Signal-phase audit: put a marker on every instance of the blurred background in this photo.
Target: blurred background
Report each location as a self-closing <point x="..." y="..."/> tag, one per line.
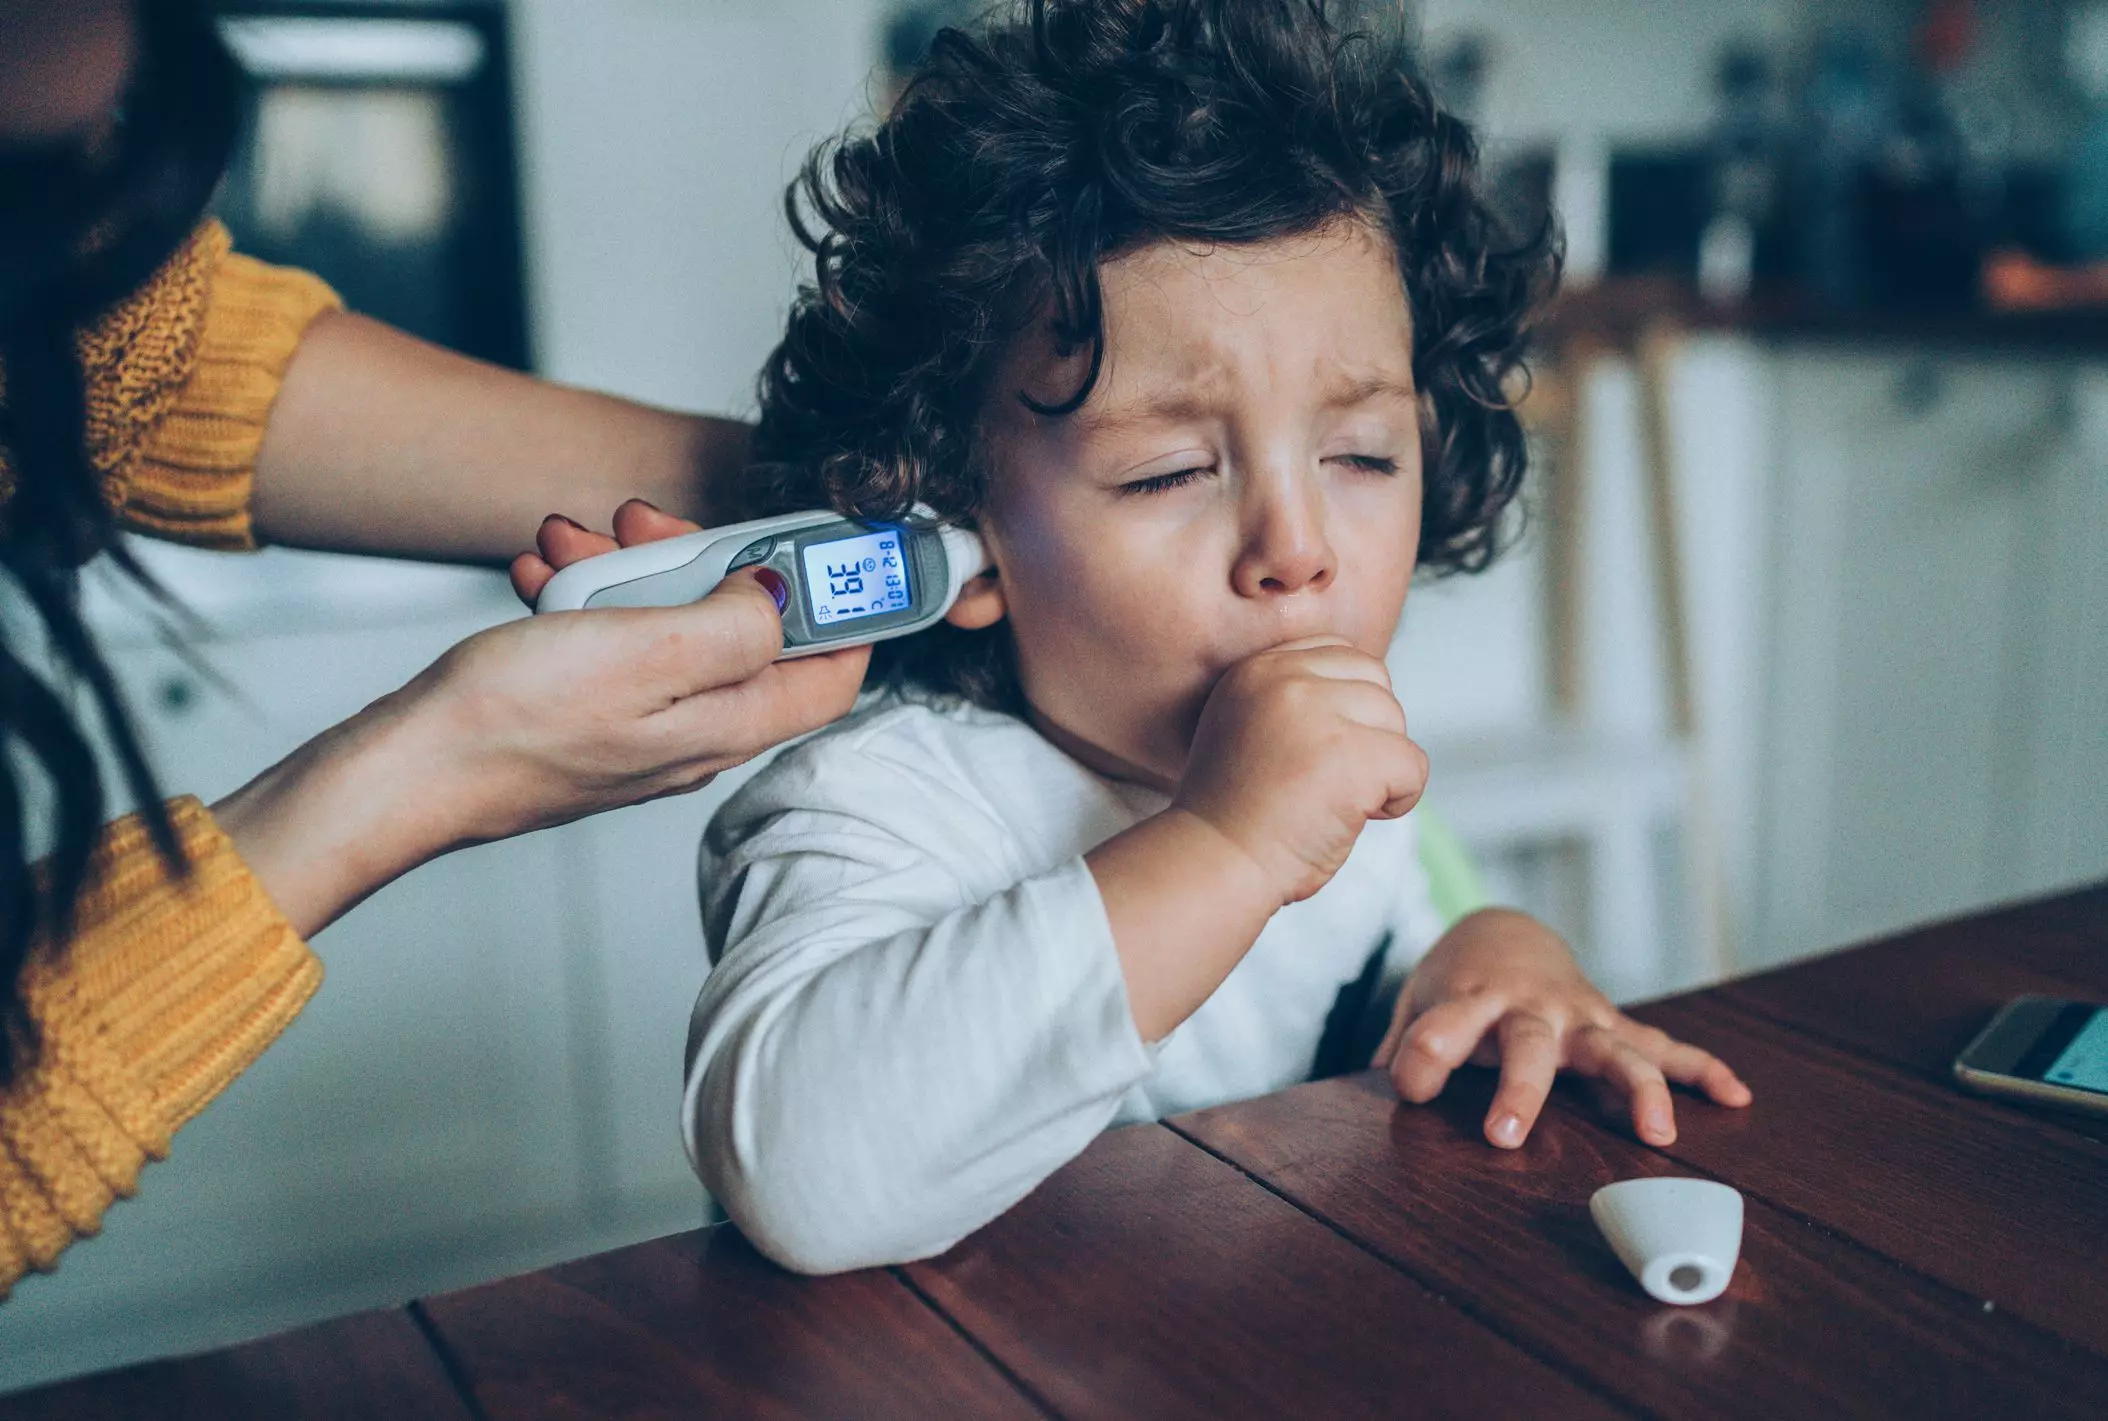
<point x="1802" y="638"/>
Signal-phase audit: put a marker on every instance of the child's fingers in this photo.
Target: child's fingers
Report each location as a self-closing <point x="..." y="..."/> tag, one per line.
<point x="1441" y="1040"/>
<point x="1601" y="1053"/>
<point x="1702" y="1070"/>
<point x="1529" y="1060"/>
<point x="1401" y="1016"/>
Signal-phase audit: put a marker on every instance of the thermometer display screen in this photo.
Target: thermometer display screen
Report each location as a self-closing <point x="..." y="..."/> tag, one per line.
<point x="863" y="576"/>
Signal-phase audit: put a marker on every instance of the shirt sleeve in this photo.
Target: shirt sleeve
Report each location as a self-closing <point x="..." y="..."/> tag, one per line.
<point x="879" y="1064"/>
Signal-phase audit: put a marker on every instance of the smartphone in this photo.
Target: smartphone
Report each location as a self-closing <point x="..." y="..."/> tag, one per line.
<point x="2044" y="1049"/>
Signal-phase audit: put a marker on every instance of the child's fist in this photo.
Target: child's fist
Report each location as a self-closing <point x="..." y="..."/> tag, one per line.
<point x="1296" y="749"/>
<point x="1501" y="989"/>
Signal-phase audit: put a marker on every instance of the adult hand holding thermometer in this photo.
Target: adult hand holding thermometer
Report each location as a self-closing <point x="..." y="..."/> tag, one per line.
<point x="850" y="582"/>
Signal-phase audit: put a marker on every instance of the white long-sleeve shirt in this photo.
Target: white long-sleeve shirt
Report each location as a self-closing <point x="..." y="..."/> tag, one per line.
<point x="916" y="1012"/>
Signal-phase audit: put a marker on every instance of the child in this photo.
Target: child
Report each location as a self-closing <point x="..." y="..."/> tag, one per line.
<point x="1195" y="312"/>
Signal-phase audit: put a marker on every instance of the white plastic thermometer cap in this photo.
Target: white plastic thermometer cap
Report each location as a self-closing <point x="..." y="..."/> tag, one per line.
<point x="1679" y="1237"/>
<point x="964" y="557"/>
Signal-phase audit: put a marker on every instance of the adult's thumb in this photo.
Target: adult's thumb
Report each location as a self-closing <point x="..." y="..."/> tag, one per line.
<point x="730" y="636"/>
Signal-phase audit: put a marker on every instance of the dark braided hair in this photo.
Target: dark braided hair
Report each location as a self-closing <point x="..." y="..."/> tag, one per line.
<point x="81" y="228"/>
<point x="1067" y="132"/>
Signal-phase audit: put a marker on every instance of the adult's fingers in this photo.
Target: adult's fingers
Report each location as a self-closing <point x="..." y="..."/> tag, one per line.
<point x="562" y="542"/>
<point x="735" y="722"/>
<point x="662" y="656"/>
<point x="1439" y="1041"/>
<point x="1529" y="1061"/>
<point x="557" y="543"/>
<point x="530" y="574"/>
<point x="1599" y="1052"/>
<point x="639" y="522"/>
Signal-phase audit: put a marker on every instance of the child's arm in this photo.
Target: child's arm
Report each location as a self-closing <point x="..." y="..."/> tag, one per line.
<point x="1500" y="988"/>
<point x="887" y="1055"/>
<point x="1296" y="750"/>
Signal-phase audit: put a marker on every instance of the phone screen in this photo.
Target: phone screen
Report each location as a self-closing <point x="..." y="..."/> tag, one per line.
<point x="2073" y="1052"/>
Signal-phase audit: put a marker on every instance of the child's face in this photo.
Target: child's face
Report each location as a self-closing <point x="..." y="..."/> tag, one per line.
<point x="1246" y="472"/>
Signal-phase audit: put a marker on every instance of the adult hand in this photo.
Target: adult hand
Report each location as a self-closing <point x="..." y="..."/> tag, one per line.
<point x="532" y="723"/>
<point x="559" y="542"/>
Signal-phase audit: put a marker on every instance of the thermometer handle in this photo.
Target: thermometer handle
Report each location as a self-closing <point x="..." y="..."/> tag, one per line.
<point x="675" y="571"/>
<point x="668" y="573"/>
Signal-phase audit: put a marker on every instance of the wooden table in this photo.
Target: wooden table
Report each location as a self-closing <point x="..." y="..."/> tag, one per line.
<point x="1325" y="1252"/>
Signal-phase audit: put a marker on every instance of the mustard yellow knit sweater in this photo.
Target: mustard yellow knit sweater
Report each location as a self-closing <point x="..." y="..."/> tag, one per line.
<point x="169" y="988"/>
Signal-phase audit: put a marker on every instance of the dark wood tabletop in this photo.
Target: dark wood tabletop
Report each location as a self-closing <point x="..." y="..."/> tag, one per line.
<point x="1908" y="1251"/>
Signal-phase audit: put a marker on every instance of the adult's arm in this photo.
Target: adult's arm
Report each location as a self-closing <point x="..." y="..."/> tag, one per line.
<point x="231" y="402"/>
<point x="531" y="723"/>
<point x="164" y="991"/>
<point x="379" y="442"/>
<point x="170" y="985"/>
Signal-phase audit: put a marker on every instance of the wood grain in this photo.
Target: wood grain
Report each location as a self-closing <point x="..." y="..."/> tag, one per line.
<point x="1149" y="1279"/>
<point x="2003" y="1206"/>
<point x="700" y="1324"/>
<point x="352" y="1369"/>
<point x="1811" y="1326"/>
<point x="1918" y="999"/>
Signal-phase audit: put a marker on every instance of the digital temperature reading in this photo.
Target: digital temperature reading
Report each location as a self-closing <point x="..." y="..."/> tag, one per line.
<point x="863" y="576"/>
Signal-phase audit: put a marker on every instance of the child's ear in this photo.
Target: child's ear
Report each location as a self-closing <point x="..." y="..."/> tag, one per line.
<point x="981" y="603"/>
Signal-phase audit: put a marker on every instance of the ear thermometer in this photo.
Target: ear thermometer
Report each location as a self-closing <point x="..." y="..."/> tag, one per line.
<point x="850" y="582"/>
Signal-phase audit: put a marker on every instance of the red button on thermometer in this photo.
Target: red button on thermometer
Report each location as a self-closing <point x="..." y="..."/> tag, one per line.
<point x="850" y="582"/>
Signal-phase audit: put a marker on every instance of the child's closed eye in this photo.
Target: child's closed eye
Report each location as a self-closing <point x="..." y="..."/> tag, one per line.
<point x="1164" y="483"/>
<point x="1372" y="463"/>
<point x="1178" y="478"/>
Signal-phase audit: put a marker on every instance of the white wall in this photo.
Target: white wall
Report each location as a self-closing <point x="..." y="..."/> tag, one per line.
<point x="1622" y="70"/>
<point x="657" y="138"/>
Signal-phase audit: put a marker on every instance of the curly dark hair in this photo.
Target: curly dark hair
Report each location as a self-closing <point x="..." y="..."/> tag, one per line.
<point x="1019" y="158"/>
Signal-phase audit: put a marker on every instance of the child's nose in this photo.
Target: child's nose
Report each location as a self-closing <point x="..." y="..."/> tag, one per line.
<point x="1285" y="551"/>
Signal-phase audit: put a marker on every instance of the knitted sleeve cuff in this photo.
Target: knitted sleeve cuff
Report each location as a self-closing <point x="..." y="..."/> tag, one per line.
<point x="195" y="467"/>
<point x="169" y="988"/>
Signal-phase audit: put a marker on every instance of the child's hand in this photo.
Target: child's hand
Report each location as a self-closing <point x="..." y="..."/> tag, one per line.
<point x="1501" y="989"/>
<point x="559" y="542"/>
<point x="1296" y="749"/>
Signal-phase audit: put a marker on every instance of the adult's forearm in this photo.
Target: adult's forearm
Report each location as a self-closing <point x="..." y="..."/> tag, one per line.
<point x="339" y="818"/>
<point x="530" y="723"/>
<point x="383" y="443"/>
